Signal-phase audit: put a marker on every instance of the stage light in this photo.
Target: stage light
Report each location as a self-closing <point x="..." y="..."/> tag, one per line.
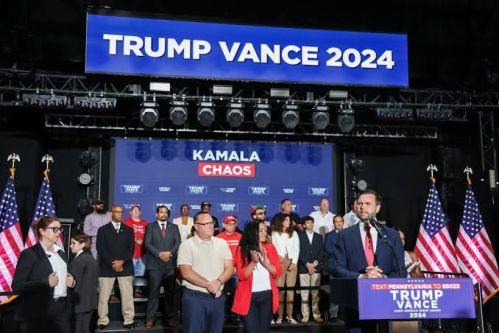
<point x="45" y="101"/>
<point x="434" y="114"/>
<point x="178" y="112"/>
<point x="206" y="113"/>
<point x="320" y="117"/>
<point x="87" y="159"/>
<point x="95" y="103"/>
<point x="290" y="116"/>
<point x="261" y="115"/>
<point x="338" y="94"/>
<point x="346" y="119"/>
<point x="235" y="114"/>
<point x="279" y="92"/>
<point x="394" y="113"/>
<point x="222" y="90"/>
<point x="160" y="86"/>
<point x="149" y="114"/>
<point x="85" y="179"/>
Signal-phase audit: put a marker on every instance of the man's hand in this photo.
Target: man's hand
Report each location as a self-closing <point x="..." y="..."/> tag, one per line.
<point x="311" y="268"/>
<point x="374" y="272"/>
<point x="165" y="256"/>
<point x="291" y="267"/>
<point x="214" y="286"/>
<point x="139" y="241"/>
<point x="53" y="279"/>
<point x="118" y="265"/>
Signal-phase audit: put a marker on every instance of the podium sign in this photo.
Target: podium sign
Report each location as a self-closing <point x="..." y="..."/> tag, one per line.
<point x="415" y="298"/>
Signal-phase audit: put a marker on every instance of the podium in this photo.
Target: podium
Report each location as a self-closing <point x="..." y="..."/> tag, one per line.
<point x="406" y="299"/>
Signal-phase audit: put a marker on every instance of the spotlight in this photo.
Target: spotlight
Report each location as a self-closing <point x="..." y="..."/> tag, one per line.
<point x="206" y="113"/>
<point x="261" y="115"/>
<point x="99" y="103"/>
<point x="394" y="114"/>
<point x="222" y="90"/>
<point x="149" y="114"/>
<point x="87" y="159"/>
<point x="45" y="101"/>
<point x="85" y="179"/>
<point x="320" y="117"/>
<point x="346" y="120"/>
<point x="290" y="116"/>
<point x="178" y="112"/>
<point x="434" y="114"/>
<point x="235" y="115"/>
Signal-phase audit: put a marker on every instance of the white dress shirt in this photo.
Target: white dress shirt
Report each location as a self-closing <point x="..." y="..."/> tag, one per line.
<point x="60" y="268"/>
<point x="350" y="219"/>
<point x="322" y="223"/>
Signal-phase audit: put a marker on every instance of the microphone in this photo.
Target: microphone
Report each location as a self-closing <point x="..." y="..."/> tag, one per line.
<point x="376" y="226"/>
<point x="383" y="237"/>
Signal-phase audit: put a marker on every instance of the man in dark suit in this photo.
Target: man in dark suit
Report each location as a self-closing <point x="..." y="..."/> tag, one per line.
<point x="362" y="252"/>
<point x="162" y="240"/>
<point x="310" y="267"/>
<point x="329" y="245"/>
<point x="115" y="245"/>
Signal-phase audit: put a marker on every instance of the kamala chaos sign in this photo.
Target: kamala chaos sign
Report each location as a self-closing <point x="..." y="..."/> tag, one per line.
<point x="157" y="47"/>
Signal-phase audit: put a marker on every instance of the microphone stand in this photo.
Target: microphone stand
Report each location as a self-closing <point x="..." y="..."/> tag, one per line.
<point x="383" y="237"/>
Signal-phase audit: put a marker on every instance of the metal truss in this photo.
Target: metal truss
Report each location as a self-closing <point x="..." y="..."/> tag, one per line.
<point x="488" y="146"/>
<point x="15" y="82"/>
<point x="126" y="125"/>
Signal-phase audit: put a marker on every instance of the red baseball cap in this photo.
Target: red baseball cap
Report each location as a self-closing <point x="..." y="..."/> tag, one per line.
<point x="230" y="218"/>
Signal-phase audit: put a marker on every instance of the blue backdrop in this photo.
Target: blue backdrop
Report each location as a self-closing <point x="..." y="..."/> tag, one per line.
<point x="233" y="176"/>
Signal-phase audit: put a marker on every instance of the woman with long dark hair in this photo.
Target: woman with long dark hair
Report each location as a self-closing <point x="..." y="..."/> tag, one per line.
<point x="42" y="280"/>
<point x="85" y="270"/>
<point x="287" y="244"/>
<point x="257" y="264"/>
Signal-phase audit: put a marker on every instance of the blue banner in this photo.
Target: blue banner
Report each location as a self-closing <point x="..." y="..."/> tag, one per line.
<point x="233" y="176"/>
<point x="145" y="46"/>
<point x="416" y="298"/>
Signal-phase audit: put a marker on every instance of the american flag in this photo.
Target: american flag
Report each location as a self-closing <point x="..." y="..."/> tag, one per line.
<point x="474" y="251"/>
<point x="11" y="240"/>
<point x="434" y="246"/>
<point x="44" y="207"/>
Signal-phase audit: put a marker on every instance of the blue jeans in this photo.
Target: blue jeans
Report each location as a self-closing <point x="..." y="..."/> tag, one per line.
<point x="138" y="267"/>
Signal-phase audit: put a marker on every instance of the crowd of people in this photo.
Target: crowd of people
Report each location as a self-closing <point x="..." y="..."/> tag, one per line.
<point x="226" y="274"/>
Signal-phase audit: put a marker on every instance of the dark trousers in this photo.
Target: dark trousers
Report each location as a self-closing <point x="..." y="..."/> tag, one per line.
<point x="260" y="313"/>
<point x="82" y="321"/>
<point x="56" y="320"/>
<point x="202" y="312"/>
<point x="158" y="278"/>
<point x="229" y="291"/>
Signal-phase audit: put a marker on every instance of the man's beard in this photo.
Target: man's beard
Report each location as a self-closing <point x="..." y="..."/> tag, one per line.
<point x="100" y="211"/>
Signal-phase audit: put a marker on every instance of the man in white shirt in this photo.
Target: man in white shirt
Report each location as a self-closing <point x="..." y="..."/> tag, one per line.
<point x="351" y="218"/>
<point x="323" y="218"/>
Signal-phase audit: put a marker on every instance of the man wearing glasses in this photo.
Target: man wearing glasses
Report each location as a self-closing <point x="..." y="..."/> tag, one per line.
<point x="115" y="245"/>
<point x="205" y="264"/>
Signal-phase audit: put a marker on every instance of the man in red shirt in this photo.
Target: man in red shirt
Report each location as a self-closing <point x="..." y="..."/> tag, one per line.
<point x="138" y="226"/>
<point x="232" y="237"/>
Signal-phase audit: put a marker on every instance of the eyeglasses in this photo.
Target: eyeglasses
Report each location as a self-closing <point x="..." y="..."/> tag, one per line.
<point x="55" y="229"/>
<point x="260" y="213"/>
<point x="209" y="224"/>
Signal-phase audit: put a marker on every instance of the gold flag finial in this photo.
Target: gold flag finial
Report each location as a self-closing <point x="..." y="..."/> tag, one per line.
<point x="431" y="168"/>
<point x="468" y="171"/>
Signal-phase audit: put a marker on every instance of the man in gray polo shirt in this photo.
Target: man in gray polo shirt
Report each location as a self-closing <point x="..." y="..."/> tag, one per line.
<point x="205" y="263"/>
